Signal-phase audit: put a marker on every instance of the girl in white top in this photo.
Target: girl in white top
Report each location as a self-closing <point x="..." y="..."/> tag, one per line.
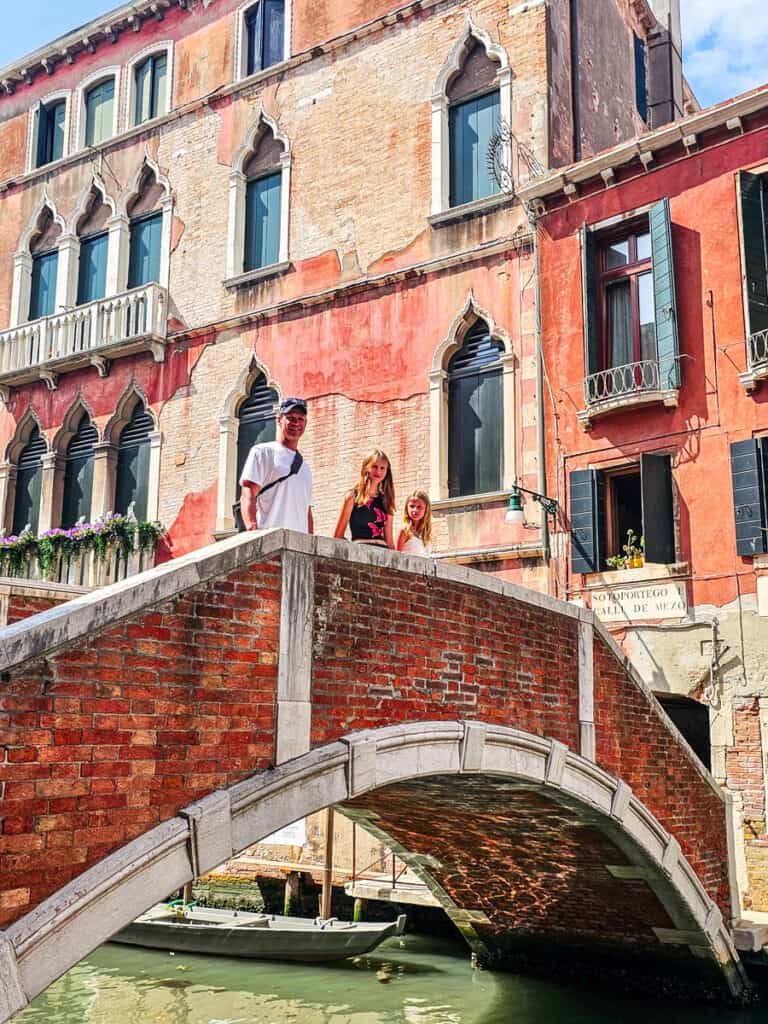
<point x="416" y="535"/>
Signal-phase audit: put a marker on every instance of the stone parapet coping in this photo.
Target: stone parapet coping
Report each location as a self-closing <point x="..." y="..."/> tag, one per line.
<point x="43" y="634"/>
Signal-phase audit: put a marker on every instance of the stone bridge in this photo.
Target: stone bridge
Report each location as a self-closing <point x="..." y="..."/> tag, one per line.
<point x="497" y="737"/>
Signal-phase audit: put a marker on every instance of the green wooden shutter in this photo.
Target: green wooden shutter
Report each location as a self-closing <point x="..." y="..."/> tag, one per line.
<point x="471" y="126"/>
<point x="159" y="83"/>
<point x="29" y="477"/>
<point x="658" y="519"/>
<point x="56" y="116"/>
<point x="143" y="106"/>
<point x="99" y="108"/>
<point x="256" y="421"/>
<point x="42" y="298"/>
<point x="78" y="474"/>
<point x="749" y="497"/>
<point x="667" y="345"/>
<point x="587" y="511"/>
<point x="262" y="222"/>
<point x="144" y="261"/>
<point x="132" y="485"/>
<point x="43" y="135"/>
<point x="754" y="251"/>
<point x="92" y="274"/>
<point x="592" y="361"/>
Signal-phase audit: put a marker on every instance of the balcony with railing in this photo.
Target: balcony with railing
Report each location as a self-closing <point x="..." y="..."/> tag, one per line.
<point x="622" y="387"/>
<point x="92" y="334"/>
<point x="757" y="360"/>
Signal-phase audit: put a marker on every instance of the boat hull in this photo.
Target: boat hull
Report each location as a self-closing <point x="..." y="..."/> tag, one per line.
<point x="255" y="936"/>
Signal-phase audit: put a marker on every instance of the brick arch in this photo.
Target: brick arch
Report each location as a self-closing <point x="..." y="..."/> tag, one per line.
<point x="45" y="943"/>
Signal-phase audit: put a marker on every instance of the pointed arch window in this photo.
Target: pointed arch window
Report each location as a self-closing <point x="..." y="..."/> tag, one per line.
<point x="256" y="421"/>
<point x="474" y="116"/>
<point x="475" y="415"/>
<point x="78" y="473"/>
<point x="29" y="477"/>
<point x="133" y="457"/>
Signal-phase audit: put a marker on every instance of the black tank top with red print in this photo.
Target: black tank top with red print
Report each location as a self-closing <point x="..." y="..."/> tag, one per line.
<point x="367" y="521"/>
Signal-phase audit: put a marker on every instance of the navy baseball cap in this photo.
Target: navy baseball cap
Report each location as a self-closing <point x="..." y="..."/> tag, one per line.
<point x="289" y="404"/>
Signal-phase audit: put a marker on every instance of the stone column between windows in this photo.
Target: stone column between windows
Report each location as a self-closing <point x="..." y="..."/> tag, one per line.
<point x="104" y="477"/>
<point x="153" y="484"/>
<point x="67" y="273"/>
<point x="51" y="491"/>
<point x="228" y="428"/>
<point x="440" y="155"/>
<point x="118" y="254"/>
<point x="285" y="206"/>
<point x="7" y="495"/>
<point x="236" y="232"/>
<point x="438" y="434"/>
<point x="22" y="288"/>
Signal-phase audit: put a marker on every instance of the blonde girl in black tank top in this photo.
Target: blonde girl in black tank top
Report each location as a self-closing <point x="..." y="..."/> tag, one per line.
<point x="368" y="508"/>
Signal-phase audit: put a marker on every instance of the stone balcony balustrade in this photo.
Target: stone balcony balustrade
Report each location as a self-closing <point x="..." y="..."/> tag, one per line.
<point x="94" y="333"/>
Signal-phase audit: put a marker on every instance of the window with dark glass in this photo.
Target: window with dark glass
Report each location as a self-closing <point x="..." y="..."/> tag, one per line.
<point x="50" y="132"/>
<point x="753" y="215"/>
<point x="42" y="296"/>
<point x="99" y="112"/>
<point x="475" y="415"/>
<point x="150" y="81"/>
<point x="78" y="474"/>
<point x="144" y="260"/>
<point x="606" y="504"/>
<point x="641" y="79"/>
<point x="264" y="35"/>
<point x="92" y="274"/>
<point x="262" y="221"/>
<point x="132" y="484"/>
<point x="626" y="288"/>
<point x="29" y="477"/>
<point x="630" y="315"/>
<point x="256" y="421"/>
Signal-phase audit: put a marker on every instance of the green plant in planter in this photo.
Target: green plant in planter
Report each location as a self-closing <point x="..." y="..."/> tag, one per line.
<point x="633" y="553"/>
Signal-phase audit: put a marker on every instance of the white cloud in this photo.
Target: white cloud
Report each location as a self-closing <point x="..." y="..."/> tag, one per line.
<point x="724" y="47"/>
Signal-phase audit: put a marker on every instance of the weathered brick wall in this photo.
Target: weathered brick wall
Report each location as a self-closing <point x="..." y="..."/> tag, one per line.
<point x="633" y="742"/>
<point x="21" y="607"/>
<point x="744" y="769"/>
<point x="114" y="734"/>
<point x="388" y="649"/>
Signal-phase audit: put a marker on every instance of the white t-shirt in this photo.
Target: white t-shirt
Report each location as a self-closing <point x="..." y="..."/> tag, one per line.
<point x="416" y="546"/>
<point x="287" y="504"/>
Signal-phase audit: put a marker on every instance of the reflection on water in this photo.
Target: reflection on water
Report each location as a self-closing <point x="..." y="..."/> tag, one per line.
<point x="410" y="980"/>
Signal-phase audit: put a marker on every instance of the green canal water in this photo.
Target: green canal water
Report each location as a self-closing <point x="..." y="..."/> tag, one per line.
<point x="413" y="980"/>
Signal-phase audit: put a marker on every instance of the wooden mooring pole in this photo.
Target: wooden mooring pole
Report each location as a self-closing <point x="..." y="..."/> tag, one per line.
<point x="327" y="893"/>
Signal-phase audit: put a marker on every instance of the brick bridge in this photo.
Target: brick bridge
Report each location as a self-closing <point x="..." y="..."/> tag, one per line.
<point x="497" y="737"/>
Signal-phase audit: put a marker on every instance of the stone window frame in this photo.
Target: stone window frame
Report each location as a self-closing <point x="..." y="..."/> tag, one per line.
<point x="96" y="78"/>
<point x="155" y="49"/>
<point x="441" y="156"/>
<point x="240" y="52"/>
<point x="119" y="227"/>
<point x="18" y="442"/>
<point x="33" y="123"/>
<point x="229" y="422"/>
<point x="471" y="312"/>
<point x="22" y="264"/>
<point x="108" y="450"/>
<point x="235" y="275"/>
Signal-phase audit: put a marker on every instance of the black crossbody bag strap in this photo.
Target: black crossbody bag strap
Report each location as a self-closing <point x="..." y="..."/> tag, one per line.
<point x="237" y="515"/>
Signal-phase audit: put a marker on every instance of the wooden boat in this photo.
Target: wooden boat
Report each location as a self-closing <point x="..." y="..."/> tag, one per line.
<point x="237" y="933"/>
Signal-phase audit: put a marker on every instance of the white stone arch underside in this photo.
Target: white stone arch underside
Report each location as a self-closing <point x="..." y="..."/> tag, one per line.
<point x="45" y="943"/>
<point x="469" y="314"/>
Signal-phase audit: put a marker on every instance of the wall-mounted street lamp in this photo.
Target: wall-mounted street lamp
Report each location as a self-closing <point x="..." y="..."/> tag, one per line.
<point x="515" y="510"/>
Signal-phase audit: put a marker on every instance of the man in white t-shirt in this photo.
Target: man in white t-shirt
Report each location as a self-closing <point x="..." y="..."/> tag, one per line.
<point x="289" y="503"/>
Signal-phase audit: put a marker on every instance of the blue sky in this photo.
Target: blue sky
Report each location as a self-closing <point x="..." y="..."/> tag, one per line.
<point x="724" y="44"/>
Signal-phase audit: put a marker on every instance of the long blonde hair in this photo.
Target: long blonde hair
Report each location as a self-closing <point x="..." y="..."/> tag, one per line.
<point x="386" y="487"/>
<point x="422" y="529"/>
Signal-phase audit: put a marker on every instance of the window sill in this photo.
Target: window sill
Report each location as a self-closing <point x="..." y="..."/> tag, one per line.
<point x="466" y="210"/>
<point x="754" y="376"/>
<point x="470" y="556"/>
<point x="651" y="572"/>
<point x="668" y="398"/>
<point x="469" y="502"/>
<point x="260" y="274"/>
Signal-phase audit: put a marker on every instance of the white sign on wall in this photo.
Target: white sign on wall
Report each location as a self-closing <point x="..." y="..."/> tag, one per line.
<point x="642" y="603"/>
<point x="291" y="835"/>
